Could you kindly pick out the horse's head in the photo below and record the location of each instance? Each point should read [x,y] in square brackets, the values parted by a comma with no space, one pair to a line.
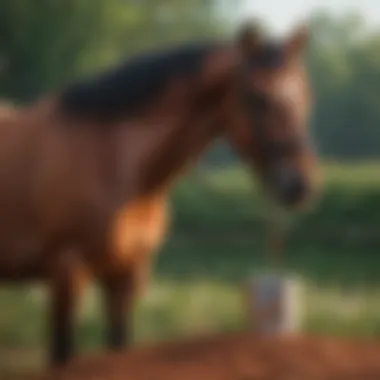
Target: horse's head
[269,128]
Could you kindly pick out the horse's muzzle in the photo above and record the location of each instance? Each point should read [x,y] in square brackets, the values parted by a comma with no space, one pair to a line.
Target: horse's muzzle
[289,186]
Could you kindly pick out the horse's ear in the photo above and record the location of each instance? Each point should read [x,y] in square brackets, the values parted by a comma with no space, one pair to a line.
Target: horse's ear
[249,37]
[297,41]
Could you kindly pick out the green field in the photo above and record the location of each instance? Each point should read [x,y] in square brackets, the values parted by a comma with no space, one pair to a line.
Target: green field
[222,218]
[217,241]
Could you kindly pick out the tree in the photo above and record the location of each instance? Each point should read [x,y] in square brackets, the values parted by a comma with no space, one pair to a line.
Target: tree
[44,44]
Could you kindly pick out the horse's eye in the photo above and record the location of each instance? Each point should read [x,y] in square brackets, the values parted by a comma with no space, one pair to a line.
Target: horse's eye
[254,99]
[260,101]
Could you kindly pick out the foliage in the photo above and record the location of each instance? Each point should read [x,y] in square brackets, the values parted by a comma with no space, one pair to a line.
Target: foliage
[220,215]
[45,44]
[344,62]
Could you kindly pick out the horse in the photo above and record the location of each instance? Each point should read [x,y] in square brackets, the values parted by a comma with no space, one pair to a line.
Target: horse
[6,109]
[85,171]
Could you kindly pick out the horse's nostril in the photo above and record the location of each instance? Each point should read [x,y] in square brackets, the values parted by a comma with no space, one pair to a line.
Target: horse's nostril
[295,191]
[289,185]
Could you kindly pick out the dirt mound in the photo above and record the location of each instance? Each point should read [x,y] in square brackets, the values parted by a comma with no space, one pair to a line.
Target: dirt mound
[236,357]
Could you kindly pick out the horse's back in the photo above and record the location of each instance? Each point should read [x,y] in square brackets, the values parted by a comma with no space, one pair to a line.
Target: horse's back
[7,110]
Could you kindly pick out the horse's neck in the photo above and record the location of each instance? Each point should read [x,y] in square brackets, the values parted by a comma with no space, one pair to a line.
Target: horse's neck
[171,149]
[156,149]
[183,142]
[180,152]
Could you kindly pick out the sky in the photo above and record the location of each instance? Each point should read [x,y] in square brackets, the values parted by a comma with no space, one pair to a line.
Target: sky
[281,15]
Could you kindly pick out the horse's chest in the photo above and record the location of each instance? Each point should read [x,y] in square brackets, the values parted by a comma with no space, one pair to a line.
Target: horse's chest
[139,229]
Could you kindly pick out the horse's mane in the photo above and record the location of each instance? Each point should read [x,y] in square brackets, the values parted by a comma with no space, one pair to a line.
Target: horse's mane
[126,88]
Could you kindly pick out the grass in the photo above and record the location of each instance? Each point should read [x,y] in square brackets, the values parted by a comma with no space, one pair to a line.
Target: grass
[172,310]
[217,240]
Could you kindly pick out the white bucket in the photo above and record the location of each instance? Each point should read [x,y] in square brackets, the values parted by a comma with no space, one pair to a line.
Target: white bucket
[275,304]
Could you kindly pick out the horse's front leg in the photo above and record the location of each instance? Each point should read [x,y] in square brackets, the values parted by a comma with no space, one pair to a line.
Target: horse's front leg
[118,299]
[121,291]
[138,231]
[66,282]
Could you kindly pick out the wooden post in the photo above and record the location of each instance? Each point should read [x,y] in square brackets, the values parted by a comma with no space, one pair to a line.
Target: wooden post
[274,304]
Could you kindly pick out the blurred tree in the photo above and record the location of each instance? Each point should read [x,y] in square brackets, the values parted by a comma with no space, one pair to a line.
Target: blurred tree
[344,62]
[41,42]
[44,43]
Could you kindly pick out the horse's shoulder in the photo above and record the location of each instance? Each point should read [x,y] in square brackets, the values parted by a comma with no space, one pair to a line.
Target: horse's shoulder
[140,224]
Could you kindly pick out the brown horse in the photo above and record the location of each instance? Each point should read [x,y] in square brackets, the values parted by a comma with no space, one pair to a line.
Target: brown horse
[85,173]
[6,109]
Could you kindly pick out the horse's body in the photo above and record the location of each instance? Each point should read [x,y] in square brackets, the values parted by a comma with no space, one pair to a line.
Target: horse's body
[62,190]
[85,175]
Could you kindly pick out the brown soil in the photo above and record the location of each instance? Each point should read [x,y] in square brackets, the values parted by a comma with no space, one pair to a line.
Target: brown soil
[235,357]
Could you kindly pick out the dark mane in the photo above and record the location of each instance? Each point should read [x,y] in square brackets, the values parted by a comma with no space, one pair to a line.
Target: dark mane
[126,88]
